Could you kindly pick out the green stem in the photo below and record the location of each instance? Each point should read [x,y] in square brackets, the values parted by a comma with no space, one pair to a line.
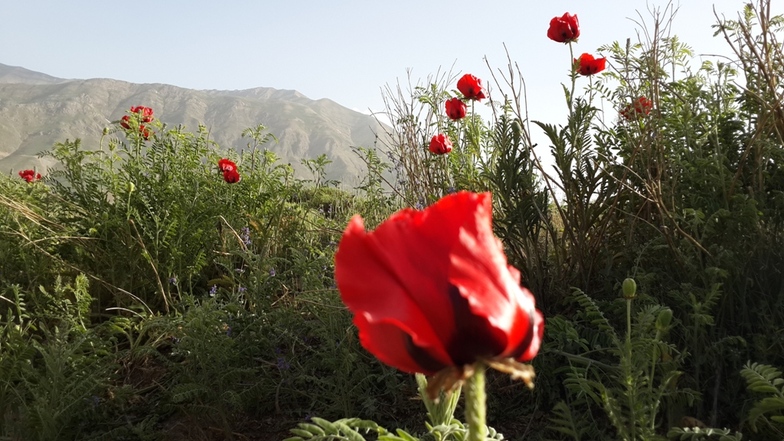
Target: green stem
[629,325]
[476,404]
[572,75]
[650,379]
[631,386]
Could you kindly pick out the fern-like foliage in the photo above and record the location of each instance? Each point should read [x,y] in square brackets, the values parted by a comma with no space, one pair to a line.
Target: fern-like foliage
[767,380]
[697,434]
[355,429]
[345,429]
[564,421]
[594,315]
[629,377]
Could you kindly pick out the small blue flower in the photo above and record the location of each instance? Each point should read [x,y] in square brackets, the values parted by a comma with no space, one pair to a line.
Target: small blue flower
[241,289]
[172,280]
[272,272]
[213,290]
[245,235]
[283,364]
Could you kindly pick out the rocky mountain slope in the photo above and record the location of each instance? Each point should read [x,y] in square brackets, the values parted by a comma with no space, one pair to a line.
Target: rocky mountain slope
[38,110]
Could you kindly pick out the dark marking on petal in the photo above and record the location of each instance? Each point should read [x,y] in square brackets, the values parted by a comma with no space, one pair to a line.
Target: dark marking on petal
[423,358]
[473,338]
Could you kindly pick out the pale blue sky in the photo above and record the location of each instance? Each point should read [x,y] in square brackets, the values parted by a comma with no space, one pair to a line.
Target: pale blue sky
[344,50]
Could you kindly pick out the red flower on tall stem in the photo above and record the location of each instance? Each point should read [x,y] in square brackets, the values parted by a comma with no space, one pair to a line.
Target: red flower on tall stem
[144,115]
[144,112]
[226,164]
[124,122]
[471,87]
[232,176]
[29,175]
[145,131]
[440,144]
[431,290]
[588,65]
[641,106]
[455,109]
[564,29]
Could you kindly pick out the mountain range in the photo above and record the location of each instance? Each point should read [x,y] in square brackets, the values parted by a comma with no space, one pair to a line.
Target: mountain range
[38,110]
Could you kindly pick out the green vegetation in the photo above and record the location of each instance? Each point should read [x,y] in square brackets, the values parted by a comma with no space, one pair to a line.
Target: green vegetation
[142,297]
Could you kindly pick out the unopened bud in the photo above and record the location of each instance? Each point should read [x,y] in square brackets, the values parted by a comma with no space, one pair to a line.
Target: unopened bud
[663,319]
[131,187]
[629,288]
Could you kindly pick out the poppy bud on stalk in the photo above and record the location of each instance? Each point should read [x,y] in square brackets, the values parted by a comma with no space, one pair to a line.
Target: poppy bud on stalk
[663,319]
[629,289]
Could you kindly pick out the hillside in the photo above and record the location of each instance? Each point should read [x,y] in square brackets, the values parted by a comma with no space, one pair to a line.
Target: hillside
[38,110]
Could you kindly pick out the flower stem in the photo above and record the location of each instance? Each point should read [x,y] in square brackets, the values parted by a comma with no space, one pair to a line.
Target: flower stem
[572,76]
[476,404]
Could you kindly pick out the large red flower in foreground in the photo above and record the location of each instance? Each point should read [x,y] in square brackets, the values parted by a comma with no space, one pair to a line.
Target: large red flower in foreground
[431,289]
[588,65]
[471,87]
[564,29]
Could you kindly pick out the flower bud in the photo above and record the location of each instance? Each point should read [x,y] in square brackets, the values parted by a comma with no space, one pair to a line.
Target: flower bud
[663,319]
[131,187]
[629,288]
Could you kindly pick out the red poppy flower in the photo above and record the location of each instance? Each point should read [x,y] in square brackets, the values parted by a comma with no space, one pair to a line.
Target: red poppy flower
[431,289]
[588,65]
[564,29]
[144,112]
[144,115]
[29,175]
[232,176]
[226,164]
[440,144]
[146,133]
[471,87]
[642,106]
[455,109]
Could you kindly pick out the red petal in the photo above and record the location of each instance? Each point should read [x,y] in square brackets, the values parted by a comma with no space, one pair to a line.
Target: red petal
[531,348]
[491,287]
[440,279]
[385,276]
[394,346]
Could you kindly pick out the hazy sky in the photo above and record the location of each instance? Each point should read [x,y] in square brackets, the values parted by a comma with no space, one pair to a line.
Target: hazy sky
[344,50]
